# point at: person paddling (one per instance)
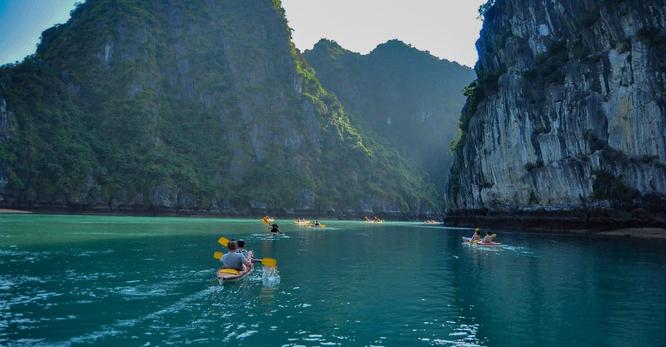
(234, 259)
(488, 238)
(477, 235)
(243, 251)
(275, 229)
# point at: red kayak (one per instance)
(468, 241)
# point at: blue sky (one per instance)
(22, 23)
(446, 28)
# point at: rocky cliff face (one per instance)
(187, 106)
(5, 119)
(568, 112)
(408, 98)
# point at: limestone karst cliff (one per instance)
(187, 106)
(567, 114)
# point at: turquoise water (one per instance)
(136, 281)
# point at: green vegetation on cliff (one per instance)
(407, 99)
(137, 105)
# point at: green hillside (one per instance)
(408, 99)
(187, 107)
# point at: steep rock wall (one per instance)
(568, 112)
(187, 106)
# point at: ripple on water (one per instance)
(122, 326)
(268, 237)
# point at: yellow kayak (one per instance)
(232, 275)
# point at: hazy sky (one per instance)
(446, 28)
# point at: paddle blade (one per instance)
(269, 262)
(223, 241)
(218, 255)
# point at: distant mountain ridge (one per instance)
(407, 98)
(191, 107)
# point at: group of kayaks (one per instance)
(373, 220)
(309, 223)
(225, 275)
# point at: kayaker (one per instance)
(488, 238)
(275, 229)
(234, 259)
(242, 250)
(316, 224)
(477, 235)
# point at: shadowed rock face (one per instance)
(569, 109)
(192, 106)
(408, 98)
(5, 119)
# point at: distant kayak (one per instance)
(468, 241)
(232, 275)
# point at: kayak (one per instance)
(232, 275)
(307, 222)
(468, 241)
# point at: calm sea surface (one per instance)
(138, 281)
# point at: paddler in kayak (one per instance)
(275, 230)
(234, 259)
(488, 238)
(242, 250)
(477, 236)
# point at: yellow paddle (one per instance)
(223, 241)
(270, 262)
